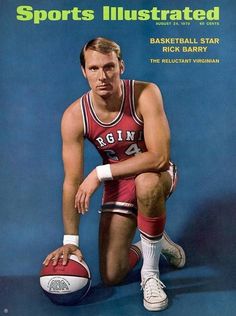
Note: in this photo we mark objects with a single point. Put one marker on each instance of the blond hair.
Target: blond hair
(101, 45)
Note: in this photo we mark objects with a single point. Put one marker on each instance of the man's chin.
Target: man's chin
(104, 92)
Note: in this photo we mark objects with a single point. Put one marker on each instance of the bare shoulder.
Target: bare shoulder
(147, 96)
(72, 121)
(143, 88)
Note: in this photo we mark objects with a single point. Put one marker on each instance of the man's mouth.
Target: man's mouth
(103, 85)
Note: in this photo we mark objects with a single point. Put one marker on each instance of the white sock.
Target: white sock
(151, 250)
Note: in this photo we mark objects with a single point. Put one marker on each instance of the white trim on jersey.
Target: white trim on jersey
(132, 106)
(83, 111)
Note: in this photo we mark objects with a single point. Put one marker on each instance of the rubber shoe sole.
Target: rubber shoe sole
(156, 307)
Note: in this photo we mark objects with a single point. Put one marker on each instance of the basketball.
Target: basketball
(66, 285)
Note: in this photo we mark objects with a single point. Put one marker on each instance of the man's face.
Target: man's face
(103, 72)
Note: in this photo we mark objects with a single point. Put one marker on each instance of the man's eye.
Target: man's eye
(93, 68)
(110, 67)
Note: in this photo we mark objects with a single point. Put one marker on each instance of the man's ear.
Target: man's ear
(122, 67)
(83, 71)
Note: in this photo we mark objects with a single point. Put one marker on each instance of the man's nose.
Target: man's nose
(101, 74)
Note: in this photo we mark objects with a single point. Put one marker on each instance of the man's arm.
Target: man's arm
(72, 153)
(156, 134)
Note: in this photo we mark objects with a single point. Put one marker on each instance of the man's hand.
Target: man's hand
(85, 191)
(64, 251)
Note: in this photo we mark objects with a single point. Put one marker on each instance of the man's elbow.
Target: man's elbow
(162, 163)
(165, 165)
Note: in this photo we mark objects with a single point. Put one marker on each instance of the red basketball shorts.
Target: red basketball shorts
(119, 196)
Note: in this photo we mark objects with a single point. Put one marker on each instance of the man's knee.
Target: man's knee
(113, 276)
(149, 188)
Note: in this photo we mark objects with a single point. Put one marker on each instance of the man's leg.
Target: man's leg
(116, 254)
(151, 191)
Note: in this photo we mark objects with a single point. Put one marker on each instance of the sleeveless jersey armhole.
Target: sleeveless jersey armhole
(84, 116)
(132, 104)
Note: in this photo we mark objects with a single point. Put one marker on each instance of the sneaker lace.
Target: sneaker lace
(153, 286)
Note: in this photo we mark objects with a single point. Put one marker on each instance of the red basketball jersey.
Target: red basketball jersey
(123, 137)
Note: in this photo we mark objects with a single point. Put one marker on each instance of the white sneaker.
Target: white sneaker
(172, 252)
(154, 298)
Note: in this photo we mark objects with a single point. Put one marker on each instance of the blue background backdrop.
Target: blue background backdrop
(40, 76)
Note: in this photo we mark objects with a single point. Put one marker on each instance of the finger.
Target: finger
(77, 199)
(79, 196)
(65, 257)
(56, 258)
(48, 259)
(46, 262)
(86, 202)
(82, 202)
(78, 254)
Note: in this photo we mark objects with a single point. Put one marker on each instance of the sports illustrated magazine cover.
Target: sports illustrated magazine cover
(182, 50)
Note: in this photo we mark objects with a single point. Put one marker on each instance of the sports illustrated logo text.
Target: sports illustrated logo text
(26, 13)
